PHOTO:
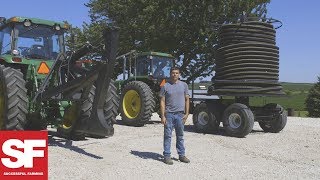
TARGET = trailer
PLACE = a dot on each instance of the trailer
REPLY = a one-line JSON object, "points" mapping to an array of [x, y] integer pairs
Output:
{"points": [[247, 65]]}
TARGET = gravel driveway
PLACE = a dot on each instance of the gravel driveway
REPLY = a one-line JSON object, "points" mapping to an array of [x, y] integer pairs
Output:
{"points": [[136, 153]]}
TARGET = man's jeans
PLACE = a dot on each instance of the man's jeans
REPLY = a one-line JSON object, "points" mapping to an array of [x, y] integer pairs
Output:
{"points": [[174, 120]]}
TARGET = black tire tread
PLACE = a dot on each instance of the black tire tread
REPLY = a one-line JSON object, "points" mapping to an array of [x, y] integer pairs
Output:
{"points": [[248, 124], [276, 125], [16, 100], [148, 103]]}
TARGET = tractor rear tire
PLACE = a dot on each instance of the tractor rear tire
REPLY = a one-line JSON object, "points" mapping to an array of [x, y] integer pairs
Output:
{"points": [[277, 124], [13, 99], [111, 106], [238, 120], [206, 119], [137, 103]]}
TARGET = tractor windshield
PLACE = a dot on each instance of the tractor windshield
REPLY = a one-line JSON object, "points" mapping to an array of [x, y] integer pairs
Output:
{"points": [[157, 66], [143, 66], [35, 42], [161, 66]]}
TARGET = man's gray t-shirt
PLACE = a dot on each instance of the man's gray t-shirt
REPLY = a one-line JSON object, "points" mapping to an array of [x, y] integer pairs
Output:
{"points": [[174, 94]]}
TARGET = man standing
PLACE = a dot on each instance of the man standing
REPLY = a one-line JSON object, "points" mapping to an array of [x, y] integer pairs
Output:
{"points": [[174, 106]]}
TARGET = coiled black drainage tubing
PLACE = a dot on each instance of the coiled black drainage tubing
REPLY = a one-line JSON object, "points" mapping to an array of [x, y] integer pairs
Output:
{"points": [[247, 60]]}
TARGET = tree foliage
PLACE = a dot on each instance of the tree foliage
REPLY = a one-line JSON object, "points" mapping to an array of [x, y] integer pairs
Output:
{"points": [[182, 28], [313, 100]]}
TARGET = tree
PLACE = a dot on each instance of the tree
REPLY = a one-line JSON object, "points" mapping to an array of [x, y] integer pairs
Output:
{"points": [[182, 28], [313, 100]]}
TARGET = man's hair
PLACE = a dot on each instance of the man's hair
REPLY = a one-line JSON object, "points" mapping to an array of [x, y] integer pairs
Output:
{"points": [[174, 68]]}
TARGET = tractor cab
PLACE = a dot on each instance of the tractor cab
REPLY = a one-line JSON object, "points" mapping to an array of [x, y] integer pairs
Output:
{"points": [[31, 41], [154, 64]]}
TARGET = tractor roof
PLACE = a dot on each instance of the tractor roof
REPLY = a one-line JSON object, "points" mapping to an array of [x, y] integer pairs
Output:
{"points": [[155, 54], [36, 21]]}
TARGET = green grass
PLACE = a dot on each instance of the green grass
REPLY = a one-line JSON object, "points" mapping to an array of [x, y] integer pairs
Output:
{"points": [[301, 113], [295, 101]]}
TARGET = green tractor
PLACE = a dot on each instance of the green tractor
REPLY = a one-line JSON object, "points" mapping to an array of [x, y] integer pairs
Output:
{"points": [[143, 75], [41, 84]]}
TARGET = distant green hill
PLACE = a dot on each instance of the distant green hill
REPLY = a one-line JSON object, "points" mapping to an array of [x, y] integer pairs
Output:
{"points": [[297, 86], [297, 93]]}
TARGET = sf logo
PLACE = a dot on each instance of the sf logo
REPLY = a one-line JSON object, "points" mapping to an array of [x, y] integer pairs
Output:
{"points": [[25, 158]]}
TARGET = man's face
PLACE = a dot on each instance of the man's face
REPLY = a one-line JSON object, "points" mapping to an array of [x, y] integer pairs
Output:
{"points": [[175, 74]]}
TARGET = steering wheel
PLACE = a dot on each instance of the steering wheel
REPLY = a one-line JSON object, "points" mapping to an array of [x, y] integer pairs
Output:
{"points": [[23, 50], [36, 51]]}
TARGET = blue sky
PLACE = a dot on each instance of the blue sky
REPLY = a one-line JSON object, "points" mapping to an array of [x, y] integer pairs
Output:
{"points": [[298, 39]]}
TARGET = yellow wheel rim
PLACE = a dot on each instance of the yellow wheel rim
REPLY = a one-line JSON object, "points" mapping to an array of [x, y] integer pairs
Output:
{"points": [[69, 117], [131, 104], [2, 107]]}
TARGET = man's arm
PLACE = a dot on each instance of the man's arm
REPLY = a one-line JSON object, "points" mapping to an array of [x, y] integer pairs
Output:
{"points": [[187, 106], [187, 103], [162, 96], [162, 109]]}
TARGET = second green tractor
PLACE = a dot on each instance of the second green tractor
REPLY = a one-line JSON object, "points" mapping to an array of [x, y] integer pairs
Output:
{"points": [[143, 75]]}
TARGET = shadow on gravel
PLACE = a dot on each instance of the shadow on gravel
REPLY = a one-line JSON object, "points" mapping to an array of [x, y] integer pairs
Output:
{"points": [[148, 155], [55, 140], [257, 131], [120, 122], [221, 132], [190, 128]]}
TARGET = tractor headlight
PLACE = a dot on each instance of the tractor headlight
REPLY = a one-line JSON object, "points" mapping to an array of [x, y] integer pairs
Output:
{"points": [[57, 27], [15, 52], [27, 23]]}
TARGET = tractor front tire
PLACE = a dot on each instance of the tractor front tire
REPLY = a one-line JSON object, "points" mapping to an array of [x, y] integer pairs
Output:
{"points": [[13, 99], [67, 129], [137, 103], [71, 116]]}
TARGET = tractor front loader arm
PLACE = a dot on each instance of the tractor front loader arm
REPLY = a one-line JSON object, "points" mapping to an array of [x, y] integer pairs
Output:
{"points": [[97, 125], [77, 89]]}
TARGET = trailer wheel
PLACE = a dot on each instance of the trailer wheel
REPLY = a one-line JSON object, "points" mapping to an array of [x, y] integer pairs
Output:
{"points": [[277, 123], [238, 120], [205, 119], [13, 99], [137, 103]]}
